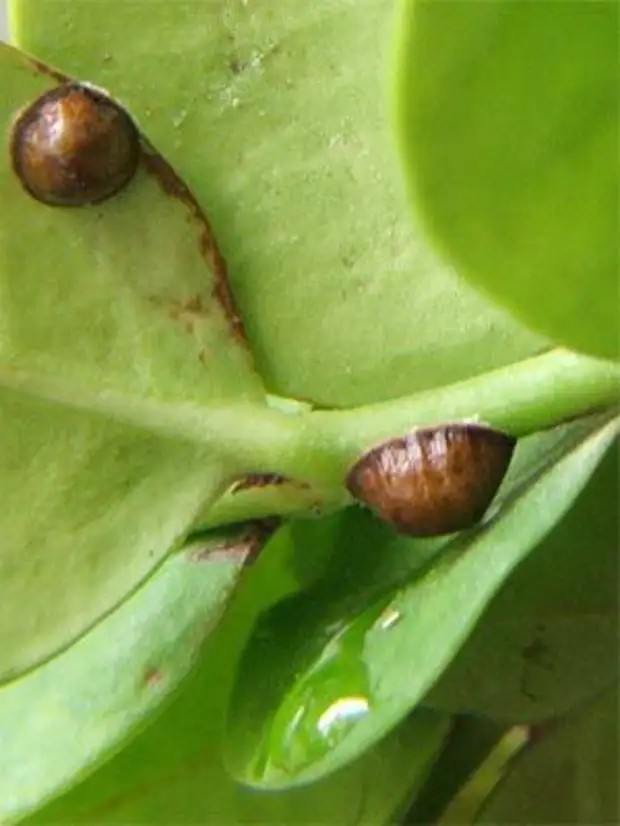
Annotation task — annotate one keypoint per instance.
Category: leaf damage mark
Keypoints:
(258, 480)
(244, 548)
(172, 185)
(43, 69)
(264, 480)
(152, 677)
(188, 312)
(536, 654)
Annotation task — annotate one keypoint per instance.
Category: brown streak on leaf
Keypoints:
(172, 185)
(152, 677)
(264, 480)
(258, 480)
(43, 69)
(244, 548)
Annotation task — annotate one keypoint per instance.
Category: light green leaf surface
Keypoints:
(173, 773)
(569, 774)
(323, 679)
(507, 115)
(276, 115)
(88, 311)
(59, 721)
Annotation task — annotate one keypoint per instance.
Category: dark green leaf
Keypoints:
(569, 774)
(542, 647)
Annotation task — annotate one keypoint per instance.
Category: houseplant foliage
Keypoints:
(199, 641)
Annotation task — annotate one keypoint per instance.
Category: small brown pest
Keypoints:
(435, 480)
(74, 146)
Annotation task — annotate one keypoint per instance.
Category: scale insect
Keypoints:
(435, 480)
(74, 146)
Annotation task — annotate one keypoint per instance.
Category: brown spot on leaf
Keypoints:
(188, 312)
(435, 480)
(173, 186)
(43, 69)
(536, 655)
(265, 480)
(152, 677)
(243, 548)
(258, 480)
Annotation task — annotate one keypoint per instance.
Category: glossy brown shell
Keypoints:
(74, 146)
(435, 480)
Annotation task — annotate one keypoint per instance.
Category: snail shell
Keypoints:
(434, 480)
(74, 146)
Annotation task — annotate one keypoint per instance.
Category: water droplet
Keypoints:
(329, 700)
(341, 714)
(388, 619)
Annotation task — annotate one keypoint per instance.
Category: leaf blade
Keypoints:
(517, 179)
(237, 115)
(93, 505)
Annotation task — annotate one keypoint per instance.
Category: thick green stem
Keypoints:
(520, 399)
(318, 447)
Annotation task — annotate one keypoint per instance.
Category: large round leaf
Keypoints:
(276, 115)
(101, 308)
(508, 120)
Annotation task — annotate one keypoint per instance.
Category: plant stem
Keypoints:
(318, 447)
(520, 399)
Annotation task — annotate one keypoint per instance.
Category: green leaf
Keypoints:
(90, 329)
(507, 115)
(62, 719)
(542, 646)
(328, 673)
(582, 749)
(172, 771)
(274, 113)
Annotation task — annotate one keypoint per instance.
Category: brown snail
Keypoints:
(74, 146)
(435, 480)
